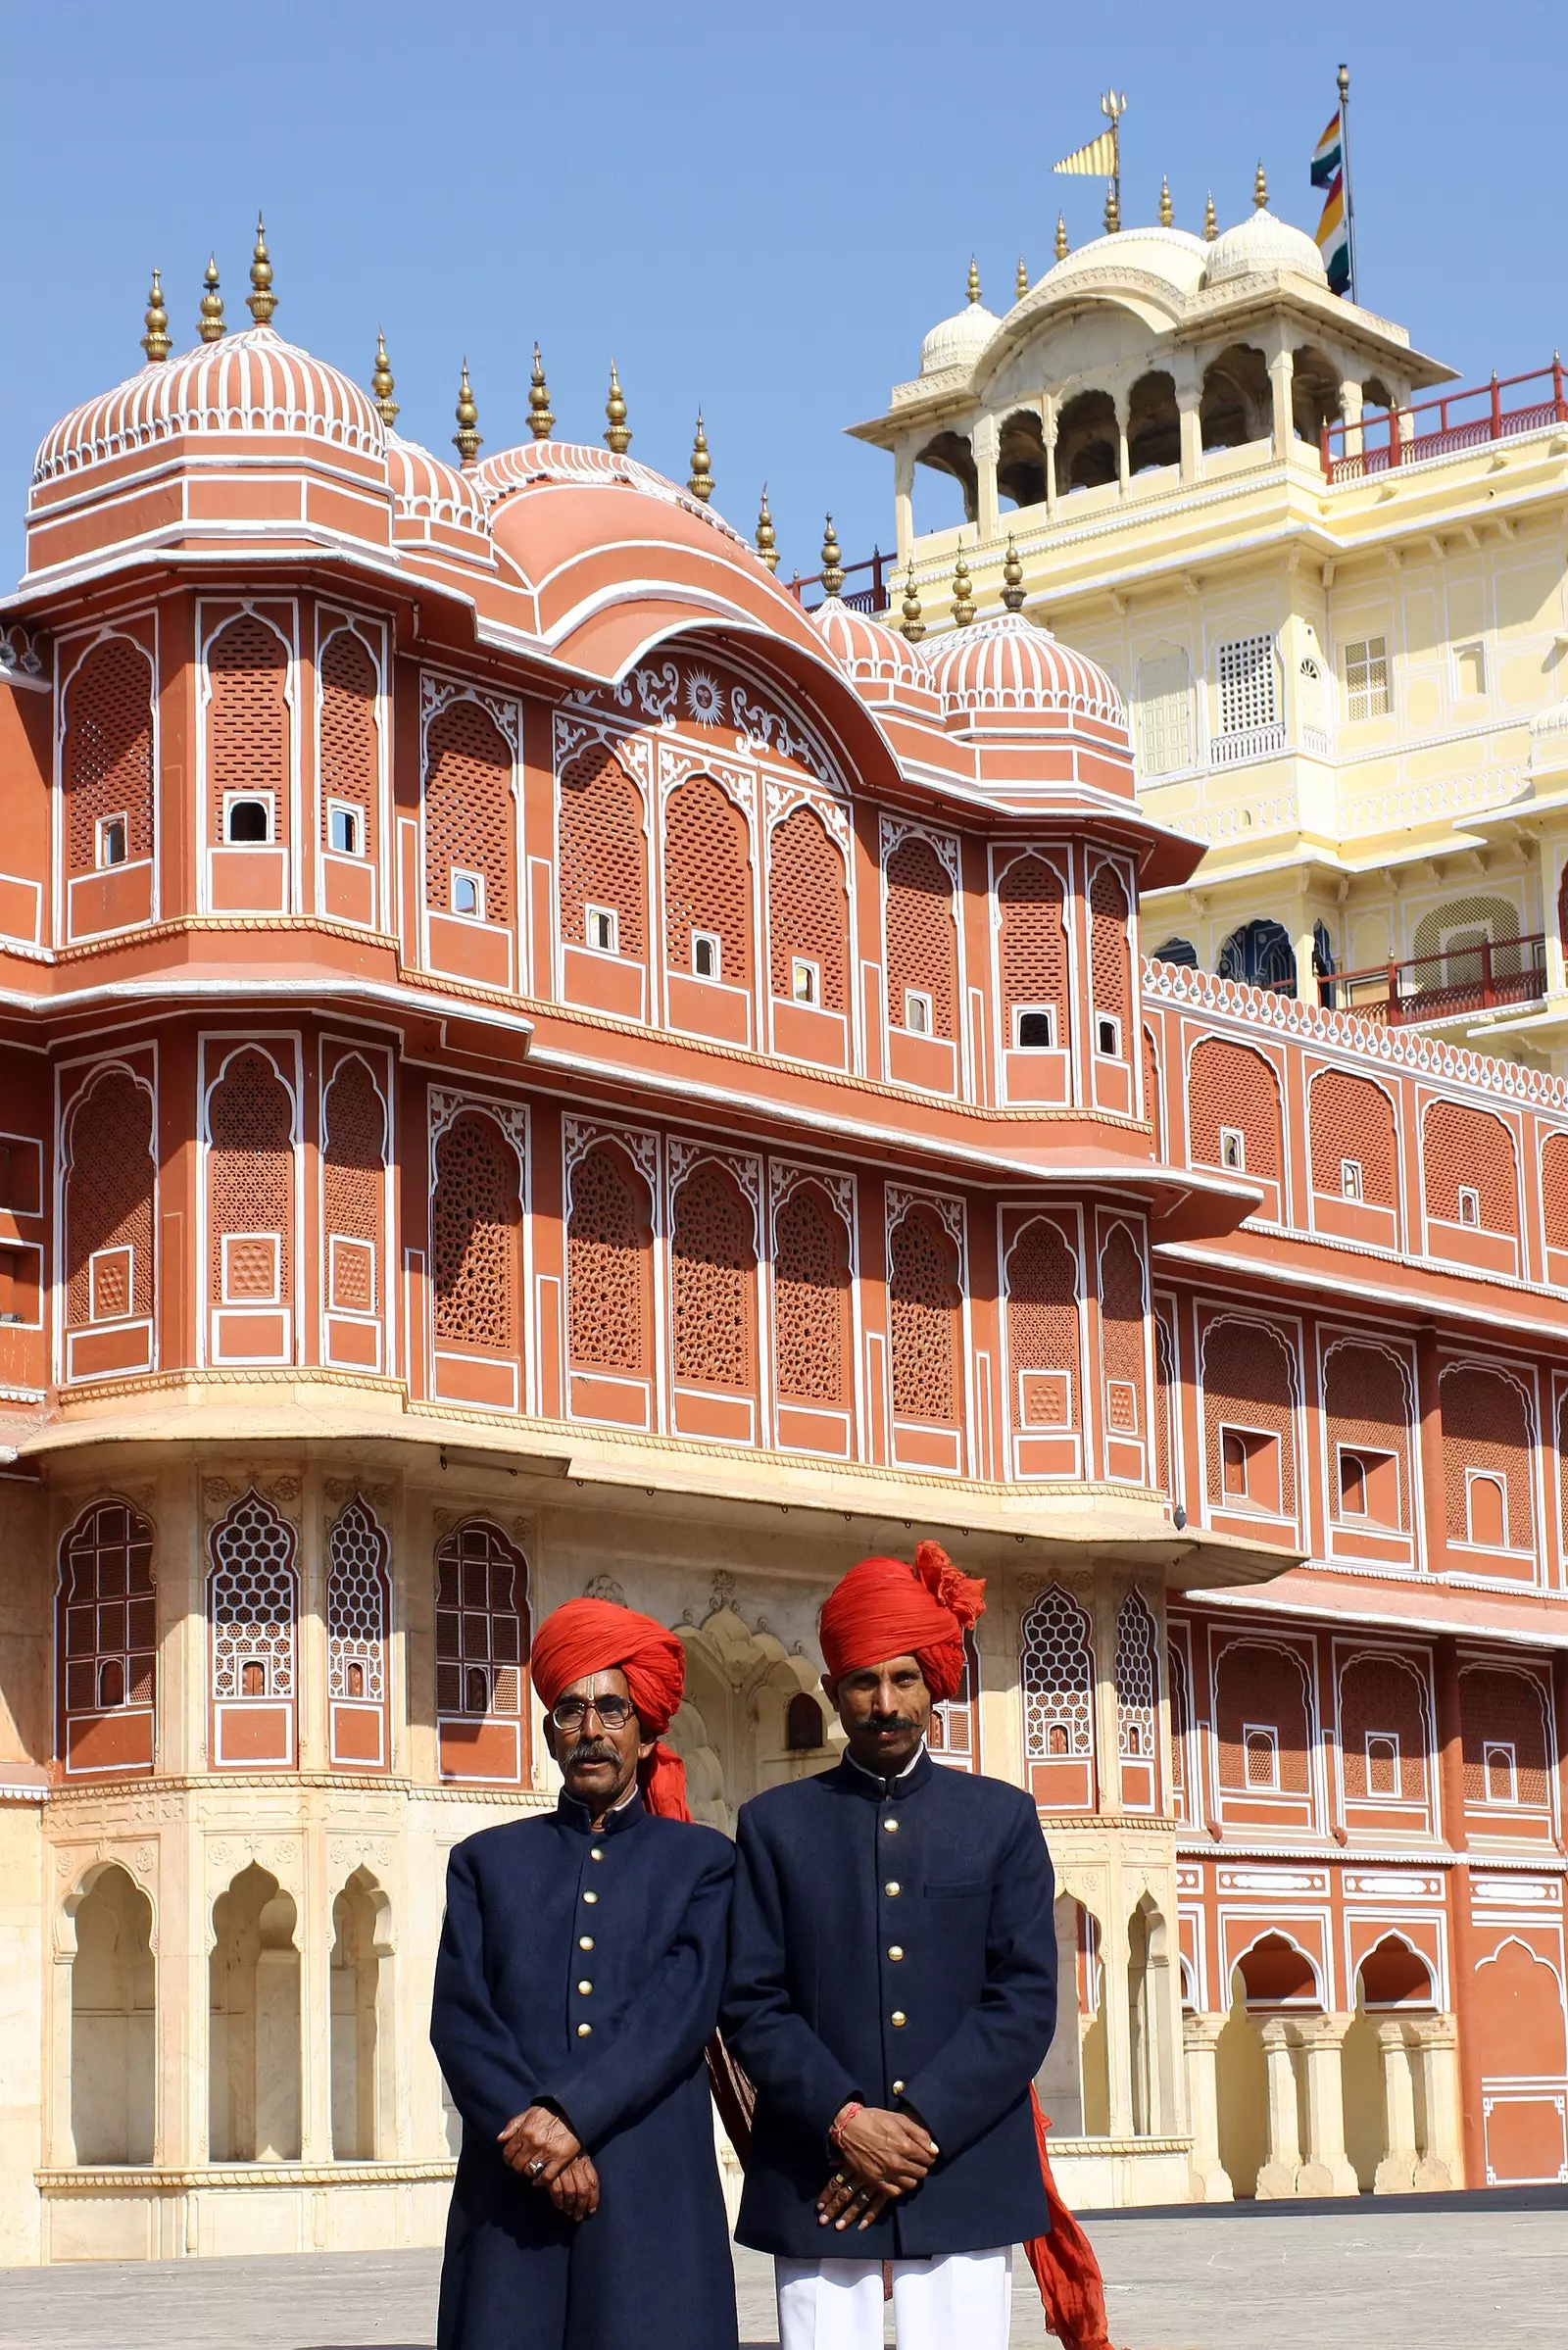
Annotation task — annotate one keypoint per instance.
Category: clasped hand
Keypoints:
(540, 2147)
(882, 2155)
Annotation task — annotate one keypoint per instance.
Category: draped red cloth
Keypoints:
(1071, 2286)
(585, 1636)
(884, 1607)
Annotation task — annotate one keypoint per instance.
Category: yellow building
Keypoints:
(1332, 592)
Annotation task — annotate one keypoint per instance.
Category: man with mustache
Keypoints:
(577, 1985)
(892, 1992)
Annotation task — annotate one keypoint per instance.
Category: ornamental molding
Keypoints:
(784, 1178)
(679, 762)
(782, 796)
(760, 728)
(219, 1496)
(579, 1136)
(893, 831)
(682, 1159)
(438, 693)
(900, 1202)
(623, 742)
(606, 1587)
(511, 1116)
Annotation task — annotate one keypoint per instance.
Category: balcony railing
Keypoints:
(1403, 436)
(1441, 986)
(872, 598)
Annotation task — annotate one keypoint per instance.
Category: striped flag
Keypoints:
(1328, 155)
(1097, 161)
(1334, 236)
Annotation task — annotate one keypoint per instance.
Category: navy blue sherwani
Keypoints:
(895, 1944)
(550, 1928)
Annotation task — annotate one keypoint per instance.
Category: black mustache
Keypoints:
(890, 1722)
(593, 1750)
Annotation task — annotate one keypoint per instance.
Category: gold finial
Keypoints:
(467, 440)
(1112, 209)
(211, 324)
(1166, 215)
(1259, 185)
(963, 601)
(617, 437)
(832, 567)
(974, 279)
(700, 482)
(154, 342)
(541, 415)
(1210, 220)
(914, 624)
(766, 543)
(1021, 284)
(1013, 577)
(1061, 236)
(260, 301)
(386, 408)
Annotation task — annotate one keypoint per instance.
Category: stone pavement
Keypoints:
(1481, 2272)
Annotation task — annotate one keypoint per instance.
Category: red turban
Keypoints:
(885, 1607)
(593, 1636)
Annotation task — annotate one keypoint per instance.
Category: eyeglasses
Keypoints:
(571, 1713)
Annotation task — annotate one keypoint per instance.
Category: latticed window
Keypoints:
(250, 1184)
(808, 908)
(1498, 1706)
(1058, 1680)
(1366, 678)
(1486, 1428)
(1352, 1120)
(109, 1203)
(1381, 1703)
(923, 1300)
(713, 1254)
(1249, 688)
(350, 743)
(952, 1733)
(1249, 1382)
(1121, 1332)
(1137, 1679)
(468, 808)
(708, 879)
(1258, 1686)
(106, 1620)
(481, 1587)
(922, 940)
(1110, 962)
(108, 757)
(252, 1602)
(604, 851)
(810, 1299)
(476, 1219)
(1230, 1086)
(1164, 714)
(1034, 946)
(609, 1266)
(1369, 1407)
(1181, 1718)
(1554, 1189)
(1164, 1405)
(1042, 1327)
(353, 1175)
(248, 720)
(357, 1605)
(1469, 1148)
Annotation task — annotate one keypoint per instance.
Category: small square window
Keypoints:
(1035, 1028)
(1350, 1178)
(1263, 1750)
(1366, 679)
(467, 893)
(112, 841)
(248, 823)
(1107, 1035)
(603, 926)
(1233, 1148)
(708, 954)
(917, 1012)
(1382, 1763)
(343, 829)
(806, 979)
(1502, 1778)
(1469, 1205)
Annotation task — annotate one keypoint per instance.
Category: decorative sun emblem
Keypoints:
(704, 697)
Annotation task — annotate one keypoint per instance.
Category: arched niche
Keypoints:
(1153, 422)
(1021, 459)
(733, 1730)
(360, 1989)
(1088, 442)
(949, 453)
(254, 2022)
(113, 2053)
(1236, 406)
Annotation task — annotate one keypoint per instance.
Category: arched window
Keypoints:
(1260, 953)
(609, 1266)
(1110, 965)
(1354, 1148)
(109, 1184)
(468, 814)
(106, 764)
(812, 1301)
(252, 1610)
(924, 1316)
(250, 1210)
(1234, 1119)
(1369, 1406)
(482, 1642)
(1263, 1725)
(1137, 1702)
(1470, 1171)
(358, 1621)
(1059, 1697)
(106, 1642)
(1043, 1331)
(1487, 1449)
(1181, 1721)
(248, 742)
(350, 745)
(476, 1220)
(1034, 994)
(1123, 1352)
(807, 915)
(954, 1736)
(354, 1209)
(604, 858)
(803, 1725)
(922, 942)
(1251, 1382)
(1180, 951)
(707, 890)
(713, 1254)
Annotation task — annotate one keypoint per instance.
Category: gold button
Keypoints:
(584, 2031)
(890, 1827)
(590, 1896)
(596, 1852)
(898, 2018)
(891, 1888)
(585, 1941)
(895, 1951)
(898, 2089)
(585, 1987)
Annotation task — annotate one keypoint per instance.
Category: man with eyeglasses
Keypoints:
(576, 1988)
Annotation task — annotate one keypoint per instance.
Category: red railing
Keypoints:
(1391, 437)
(872, 600)
(1441, 986)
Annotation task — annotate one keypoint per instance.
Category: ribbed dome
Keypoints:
(582, 462)
(958, 341)
(249, 385)
(1262, 242)
(872, 653)
(430, 494)
(1006, 666)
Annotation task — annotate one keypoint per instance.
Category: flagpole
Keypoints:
(1345, 165)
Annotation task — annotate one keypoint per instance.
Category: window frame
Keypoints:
(357, 826)
(266, 800)
(471, 875)
(1228, 1137)
(812, 997)
(1375, 680)
(103, 829)
(926, 1024)
(713, 943)
(1270, 1733)
(593, 915)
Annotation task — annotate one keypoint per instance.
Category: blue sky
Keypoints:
(760, 211)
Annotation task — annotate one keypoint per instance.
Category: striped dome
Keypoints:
(426, 490)
(1006, 668)
(870, 651)
(249, 385)
(582, 464)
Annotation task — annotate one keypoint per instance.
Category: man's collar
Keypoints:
(626, 1813)
(914, 1774)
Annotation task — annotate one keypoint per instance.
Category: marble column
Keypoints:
(1189, 406)
(1281, 374)
(1350, 411)
(904, 502)
(1395, 2171)
(985, 441)
(1276, 2178)
(1210, 2181)
(1049, 430)
(1327, 2170)
(1432, 2045)
(1124, 468)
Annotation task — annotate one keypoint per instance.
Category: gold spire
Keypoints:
(211, 324)
(766, 543)
(1166, 215)
(974, 279)
(1259, 185)
(963, 601)
(1061, 236)
(617, 436)
(1211, 221)
(467, 440)
(1021, 284)
(914, 625)
(541, 415)
(260, 301)
(154, 342)
(1012, 578)
(386, 408)
(1112, 209)
(832, 567)
(700, 482)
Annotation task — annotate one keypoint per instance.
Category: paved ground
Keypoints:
(1484, 2272)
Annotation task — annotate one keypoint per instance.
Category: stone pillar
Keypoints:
(1327, 2170)
(1350, 411)
(314, 1992)
(1548, 853)
(60, 2148)
(1275, 2177)
(1049, 415)
(904, 502)
(1433, 2042)
(1189, 406)
(1302, 946)
(1281, 373)
(1450, 1763)
(1210, 2181)
(1395, 2171)
(1124, 469)
(985, 441)
(278, 2056)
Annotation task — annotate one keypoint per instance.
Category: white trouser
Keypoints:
(964, 2298)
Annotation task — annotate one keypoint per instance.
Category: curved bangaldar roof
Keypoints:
(1174, 255)
(536, 464)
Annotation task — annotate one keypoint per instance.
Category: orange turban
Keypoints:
(594, 1635)
(885, 1607)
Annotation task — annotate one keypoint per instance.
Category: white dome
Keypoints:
(958, 341)
(1174, 255)
(1263, 243)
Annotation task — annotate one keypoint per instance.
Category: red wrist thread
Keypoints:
(843, 2121)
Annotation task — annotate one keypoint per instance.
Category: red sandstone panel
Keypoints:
(109, 1353)
(348, 889)
(1045, 1455)
(476, 950)
(1464, 1245)
(1037, 1077)
(706, 1007)
(112, 900)
(1137, 1784)
(1124, 1459)
(122, 1740)
(1113, 1084)
(1355, 1220)
(624, 1402)
(728, 1419)
(1062, 1786)
(357, 1734)
(480, 1749)
(251, 1732)
(355, 1346)
(475, 1378)
(20, 910)
(605, 983)
(249, 881)
(806, 1034)
(1525, 2138)
(920, 1448)
(927, 1062)
(804, 1431)
(249, 1337)
(1356, 1541)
